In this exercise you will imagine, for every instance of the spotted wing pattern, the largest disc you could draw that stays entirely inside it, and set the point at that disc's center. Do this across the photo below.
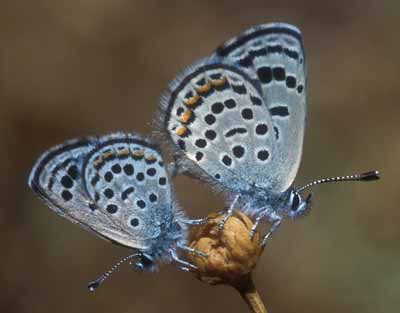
(216, 117)
(273, 54)
(115, 186)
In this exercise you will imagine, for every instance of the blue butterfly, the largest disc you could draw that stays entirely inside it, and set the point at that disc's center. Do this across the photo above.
(236, 120)
(117, 187)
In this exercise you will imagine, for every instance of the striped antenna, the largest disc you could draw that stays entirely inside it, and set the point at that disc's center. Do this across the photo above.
(92, 286)
(368, 176)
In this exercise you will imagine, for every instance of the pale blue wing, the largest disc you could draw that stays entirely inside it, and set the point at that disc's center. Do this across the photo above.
(127, 179)
(68, 179)
(273, 54)
(216, 117)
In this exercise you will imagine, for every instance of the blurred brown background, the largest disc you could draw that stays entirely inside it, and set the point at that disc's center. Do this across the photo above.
(73, 68)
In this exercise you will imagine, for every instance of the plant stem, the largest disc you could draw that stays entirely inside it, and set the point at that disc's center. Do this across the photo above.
(250, 294)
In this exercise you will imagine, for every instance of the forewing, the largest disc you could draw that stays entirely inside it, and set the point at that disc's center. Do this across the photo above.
(216, 117)
(274, 55)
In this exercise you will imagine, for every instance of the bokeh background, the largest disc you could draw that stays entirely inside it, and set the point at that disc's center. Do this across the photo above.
(74, 68)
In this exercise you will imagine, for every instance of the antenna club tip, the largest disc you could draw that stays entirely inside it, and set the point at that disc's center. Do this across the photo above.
(93, 286)
(370, 176)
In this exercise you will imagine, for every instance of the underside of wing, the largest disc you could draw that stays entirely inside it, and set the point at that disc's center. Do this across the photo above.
(128, 181)
(60, 178)
(216, 117)
(273, 54)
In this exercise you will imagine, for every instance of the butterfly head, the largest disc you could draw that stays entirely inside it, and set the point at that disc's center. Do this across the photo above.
(144, 263)
(297, 205)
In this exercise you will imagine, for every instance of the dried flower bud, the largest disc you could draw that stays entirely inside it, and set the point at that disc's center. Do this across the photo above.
(232, 254)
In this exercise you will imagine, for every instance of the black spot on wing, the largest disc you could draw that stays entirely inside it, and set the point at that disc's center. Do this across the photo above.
(261, 129)
(255, 100)
(275, 49)
(153, 197)
(127, 192)
(141, 204)
(247, 114)
(209, 119)
(258, 52)
(116, 168)
(201, 143)
(129, 169)
(278, 73)
(95, 179)
(66, 195)
(239, 89)
(238, 151)
(108, 176)
(290, 81)
(199, 156)
(73, 172)
(263, 155)
(151, 171)
(162, 181)
(279, 111)
(181, 144)
(291, 54)
(112, 208)
(134, 222)
(227, 160)
(216, 76)
(230, 103)
(234, 131)
(264, 74)
(276, 130)
(67, 182)
(140, 177)
(210, 134)
(247, 61)
(109, 193)
(300, 88)
(217, 107)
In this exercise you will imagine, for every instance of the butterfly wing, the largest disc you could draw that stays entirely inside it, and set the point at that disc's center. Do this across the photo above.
(64, 178)
(273, 54)
(216, 117)
(127, 179)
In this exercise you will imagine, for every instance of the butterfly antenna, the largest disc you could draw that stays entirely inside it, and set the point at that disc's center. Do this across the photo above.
(368, 176)
(92, 286)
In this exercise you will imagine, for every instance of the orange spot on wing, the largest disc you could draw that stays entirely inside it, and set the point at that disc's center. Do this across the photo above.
(123, 152)
(219, 82)
(204, 88)
(98, 162)
(107, 154)
(185, 117)
(192, 101)
(151, 158)
(138, 153)
(181, 131)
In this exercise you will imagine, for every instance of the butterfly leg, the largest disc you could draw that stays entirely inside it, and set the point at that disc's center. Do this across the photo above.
(275, 225)
(228, 213)
(181, 263)
(191, 250)
(198, 221)
(257, 222)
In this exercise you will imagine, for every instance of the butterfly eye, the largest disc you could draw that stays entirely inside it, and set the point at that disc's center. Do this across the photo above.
(177, 227)
(146, 262)
(295, 202)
